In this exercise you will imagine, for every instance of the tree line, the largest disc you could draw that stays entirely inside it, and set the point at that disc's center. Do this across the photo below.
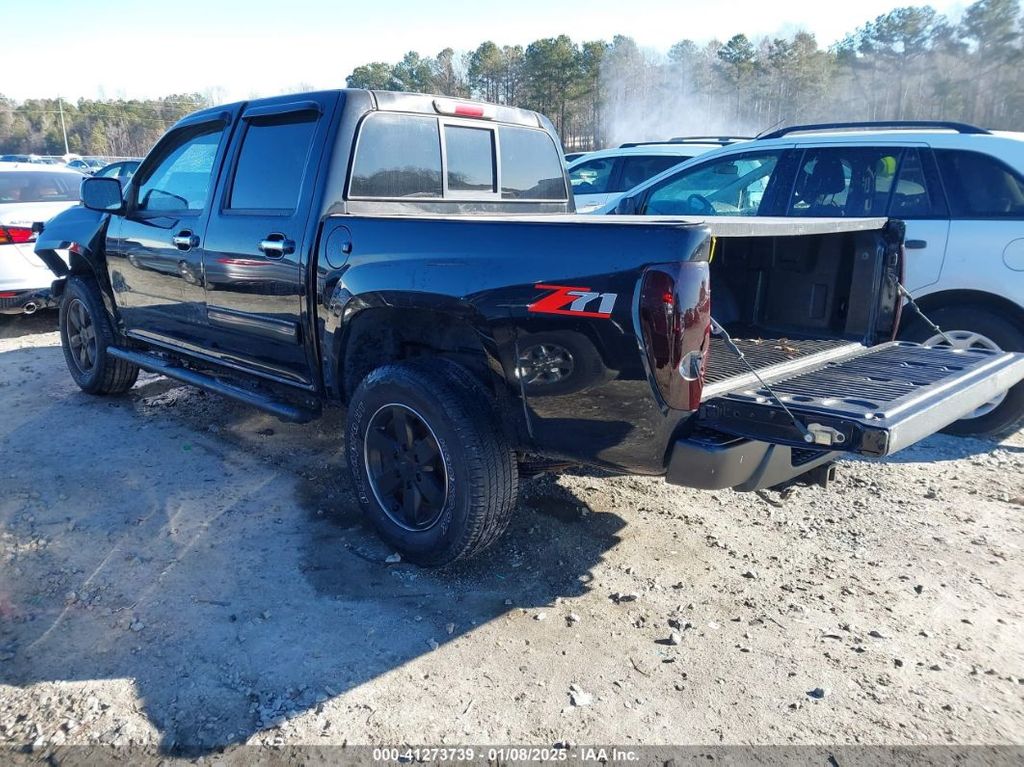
(910, 63)
(116, 128)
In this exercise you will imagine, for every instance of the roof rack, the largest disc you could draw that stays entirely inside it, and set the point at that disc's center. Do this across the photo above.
(723, 140)
(871, 124)
(702, 139)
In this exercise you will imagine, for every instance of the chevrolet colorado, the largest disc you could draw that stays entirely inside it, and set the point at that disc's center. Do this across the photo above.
(417, 260)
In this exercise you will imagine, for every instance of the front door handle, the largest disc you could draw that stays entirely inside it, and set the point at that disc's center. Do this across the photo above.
(916, 244)
(185, 240)
(276, 246)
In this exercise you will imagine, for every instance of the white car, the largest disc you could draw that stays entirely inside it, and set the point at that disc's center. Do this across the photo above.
(597, 177)
(29, 193)
(958, 188)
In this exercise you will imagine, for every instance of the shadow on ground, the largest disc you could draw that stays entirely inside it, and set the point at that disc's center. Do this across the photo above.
(215, 557)
(18, 325)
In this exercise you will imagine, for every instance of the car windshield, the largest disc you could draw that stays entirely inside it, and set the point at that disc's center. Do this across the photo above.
(38, 186)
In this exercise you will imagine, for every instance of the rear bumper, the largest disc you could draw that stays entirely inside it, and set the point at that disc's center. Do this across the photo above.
(717, 462)
(25, 301)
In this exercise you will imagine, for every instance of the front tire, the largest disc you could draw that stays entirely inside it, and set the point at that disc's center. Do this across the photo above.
(432, 467)
(85, 335)
(979, 327)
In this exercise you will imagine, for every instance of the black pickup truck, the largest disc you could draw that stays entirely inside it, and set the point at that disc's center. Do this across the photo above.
(417, 260)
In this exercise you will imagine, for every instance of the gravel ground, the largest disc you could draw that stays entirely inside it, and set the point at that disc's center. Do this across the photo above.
(185, 573)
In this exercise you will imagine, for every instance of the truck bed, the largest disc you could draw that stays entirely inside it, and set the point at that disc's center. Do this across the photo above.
(771, 357)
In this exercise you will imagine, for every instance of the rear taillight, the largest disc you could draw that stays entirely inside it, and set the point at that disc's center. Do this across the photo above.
(675, 320)
(16, 235)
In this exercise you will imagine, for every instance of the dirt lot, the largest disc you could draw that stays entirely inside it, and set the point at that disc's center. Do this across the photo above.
(180, 571)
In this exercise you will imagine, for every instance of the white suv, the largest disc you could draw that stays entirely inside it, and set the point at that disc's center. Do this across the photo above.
(597, 177)
(960, 190)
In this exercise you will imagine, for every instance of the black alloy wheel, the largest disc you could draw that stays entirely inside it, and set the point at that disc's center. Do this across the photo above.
(405, 467)
(86, 334)
(81, 333)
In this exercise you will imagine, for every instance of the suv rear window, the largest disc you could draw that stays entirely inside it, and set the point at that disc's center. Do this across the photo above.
(37, 186)
(397, 156)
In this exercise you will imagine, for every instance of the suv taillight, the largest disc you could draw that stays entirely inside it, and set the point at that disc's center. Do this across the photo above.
(675, 321)
(16, 234)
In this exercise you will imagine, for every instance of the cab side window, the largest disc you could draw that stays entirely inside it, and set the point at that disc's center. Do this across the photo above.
(272, 162)
(181, 179)
(729, 186)
(980, 186)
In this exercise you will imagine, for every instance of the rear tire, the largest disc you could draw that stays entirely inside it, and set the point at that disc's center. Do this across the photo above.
(432, 467)
(993, 331)
(86, 332)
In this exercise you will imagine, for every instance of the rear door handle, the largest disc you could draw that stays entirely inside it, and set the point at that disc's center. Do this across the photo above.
(276, 246)
(185, 240)
(916, 244)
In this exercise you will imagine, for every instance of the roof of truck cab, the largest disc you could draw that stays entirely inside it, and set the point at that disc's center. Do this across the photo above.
(400, 101)
(391, 101)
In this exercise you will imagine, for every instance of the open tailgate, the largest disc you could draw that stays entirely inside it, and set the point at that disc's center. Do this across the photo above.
(872, 400)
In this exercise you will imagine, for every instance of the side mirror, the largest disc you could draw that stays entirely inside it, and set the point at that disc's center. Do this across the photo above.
(102, 194)
(626, 206)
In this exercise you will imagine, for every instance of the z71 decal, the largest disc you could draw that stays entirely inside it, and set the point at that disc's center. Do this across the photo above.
(578, 302)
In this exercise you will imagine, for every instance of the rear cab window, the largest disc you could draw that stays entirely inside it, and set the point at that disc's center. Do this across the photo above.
(402, 156)
(470, 160)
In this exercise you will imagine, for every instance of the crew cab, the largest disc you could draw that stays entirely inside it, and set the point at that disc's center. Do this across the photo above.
(417, 259)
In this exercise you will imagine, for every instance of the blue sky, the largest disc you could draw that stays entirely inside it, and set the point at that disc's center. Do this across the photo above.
(137, 48)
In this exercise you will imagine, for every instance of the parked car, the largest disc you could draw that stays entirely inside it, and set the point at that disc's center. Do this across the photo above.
(87, 165)
(122, 169)
(29, 193)
(22, 158)
(570, 156)
(960, 190)
(366, 251)
(599, 176)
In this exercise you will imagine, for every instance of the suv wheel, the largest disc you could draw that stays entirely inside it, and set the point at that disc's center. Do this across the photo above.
(433, 470)
(979, 328)
(85, 334)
